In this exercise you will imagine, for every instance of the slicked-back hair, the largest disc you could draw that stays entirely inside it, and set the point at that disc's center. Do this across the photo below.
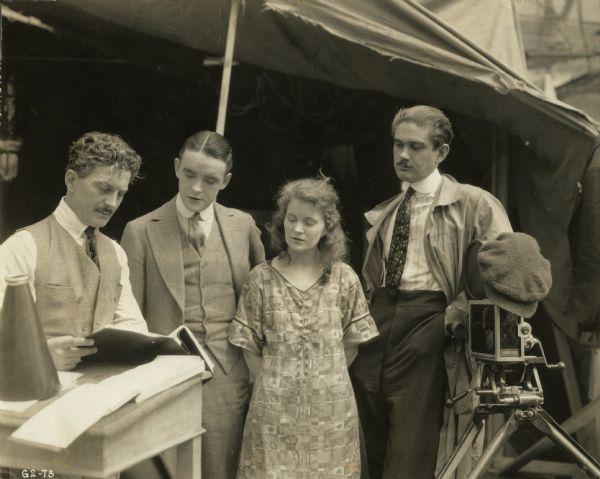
(210, 143)
(102, 149)
(319, 192)
(427, 116)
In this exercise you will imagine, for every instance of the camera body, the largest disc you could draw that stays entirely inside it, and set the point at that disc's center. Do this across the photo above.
(493, 333)
(497, 335)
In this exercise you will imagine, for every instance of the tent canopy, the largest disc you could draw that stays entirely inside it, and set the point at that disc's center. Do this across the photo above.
(492, 25)
(386, 45)
(399, 48)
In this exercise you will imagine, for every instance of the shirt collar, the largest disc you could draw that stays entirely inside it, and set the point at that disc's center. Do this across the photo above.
(206, 214)
(68, 219)
(427, 185)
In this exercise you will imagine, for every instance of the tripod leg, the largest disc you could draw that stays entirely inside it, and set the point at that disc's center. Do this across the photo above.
(545, 423)
(577, 420)
(466, 441)
(503, 433)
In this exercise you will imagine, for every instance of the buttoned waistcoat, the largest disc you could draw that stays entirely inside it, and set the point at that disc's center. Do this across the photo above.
(154, 251)
(73, 297)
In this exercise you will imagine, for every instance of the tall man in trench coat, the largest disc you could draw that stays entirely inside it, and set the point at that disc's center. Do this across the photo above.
(412, 270)
(189, 260)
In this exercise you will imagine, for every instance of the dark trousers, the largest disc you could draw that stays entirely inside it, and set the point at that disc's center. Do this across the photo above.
(400, 385)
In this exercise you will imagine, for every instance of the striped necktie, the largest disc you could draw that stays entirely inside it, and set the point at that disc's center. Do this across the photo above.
(90, 245)
(196, 233)
(397, 256)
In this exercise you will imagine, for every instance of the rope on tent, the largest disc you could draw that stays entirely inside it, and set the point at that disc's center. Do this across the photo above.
(292, 97)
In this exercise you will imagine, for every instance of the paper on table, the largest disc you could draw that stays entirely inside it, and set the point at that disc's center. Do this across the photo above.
(158, 375)
(66, 378)
(63, 420)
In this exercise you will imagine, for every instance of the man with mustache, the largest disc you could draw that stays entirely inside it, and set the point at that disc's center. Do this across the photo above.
(78, 276)
(189, 260)
(412, 272)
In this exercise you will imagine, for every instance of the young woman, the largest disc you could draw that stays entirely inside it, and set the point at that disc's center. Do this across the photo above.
(300, 318)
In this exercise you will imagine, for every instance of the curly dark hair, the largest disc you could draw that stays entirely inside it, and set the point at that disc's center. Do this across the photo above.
(320, 193)
(102, 149)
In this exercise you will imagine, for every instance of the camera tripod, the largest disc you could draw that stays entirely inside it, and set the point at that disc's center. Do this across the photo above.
(523, 403)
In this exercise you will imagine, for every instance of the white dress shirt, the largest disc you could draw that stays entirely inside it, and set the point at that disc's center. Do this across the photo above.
(207, 216)
(416, 274)
(18, 256)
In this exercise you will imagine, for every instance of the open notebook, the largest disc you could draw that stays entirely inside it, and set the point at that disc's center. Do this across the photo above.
(128, 347)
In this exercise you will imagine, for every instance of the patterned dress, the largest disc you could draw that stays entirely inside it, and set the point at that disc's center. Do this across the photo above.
(302, 421)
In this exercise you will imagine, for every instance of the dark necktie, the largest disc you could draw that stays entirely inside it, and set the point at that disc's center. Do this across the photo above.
(90, 245)
(196, 232)
(397, 256)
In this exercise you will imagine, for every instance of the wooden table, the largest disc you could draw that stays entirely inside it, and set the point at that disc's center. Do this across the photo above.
(129, 435)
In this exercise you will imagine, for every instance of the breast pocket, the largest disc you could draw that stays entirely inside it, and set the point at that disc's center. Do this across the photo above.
(56, 293)
(58, 308)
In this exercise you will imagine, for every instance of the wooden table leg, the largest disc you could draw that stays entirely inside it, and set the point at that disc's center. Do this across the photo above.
(189, 459)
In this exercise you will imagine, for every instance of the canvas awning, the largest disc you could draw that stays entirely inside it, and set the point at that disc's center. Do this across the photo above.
(399, 48)
(491, 25)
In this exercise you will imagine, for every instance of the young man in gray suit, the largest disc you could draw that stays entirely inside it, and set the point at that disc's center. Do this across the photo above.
(188, 261)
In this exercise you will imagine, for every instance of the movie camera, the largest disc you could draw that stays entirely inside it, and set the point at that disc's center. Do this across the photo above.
(505, 355)
(502, 345)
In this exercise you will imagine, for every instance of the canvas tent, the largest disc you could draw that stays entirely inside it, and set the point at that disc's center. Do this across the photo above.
(390, 46)
(493, 26)
(402, 49)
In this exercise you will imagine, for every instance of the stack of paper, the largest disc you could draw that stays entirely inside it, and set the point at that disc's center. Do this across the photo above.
(161, 374)
(62, 421)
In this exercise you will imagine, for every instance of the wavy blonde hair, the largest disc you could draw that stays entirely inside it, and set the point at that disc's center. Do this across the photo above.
(319, 192)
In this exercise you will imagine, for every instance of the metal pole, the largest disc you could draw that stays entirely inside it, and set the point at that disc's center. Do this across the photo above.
(226, 79)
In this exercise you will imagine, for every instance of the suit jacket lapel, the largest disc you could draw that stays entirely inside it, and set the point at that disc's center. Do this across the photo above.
(376, 217)
(165, 241)
(233, 241)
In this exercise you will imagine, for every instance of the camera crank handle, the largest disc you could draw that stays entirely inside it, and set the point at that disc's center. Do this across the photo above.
(559, 365)
(452, 401)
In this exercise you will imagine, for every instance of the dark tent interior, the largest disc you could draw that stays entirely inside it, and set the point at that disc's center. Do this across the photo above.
(281, 127)
(154, 93)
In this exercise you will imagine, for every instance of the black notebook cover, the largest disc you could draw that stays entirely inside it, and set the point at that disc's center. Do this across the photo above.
(128, 347)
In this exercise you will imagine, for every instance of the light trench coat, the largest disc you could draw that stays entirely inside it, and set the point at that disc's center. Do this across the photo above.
(460, 214)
